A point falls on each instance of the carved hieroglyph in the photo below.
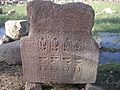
(60, 47)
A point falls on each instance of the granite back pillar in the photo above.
(59, 48)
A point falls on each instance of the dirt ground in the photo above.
(11, 77)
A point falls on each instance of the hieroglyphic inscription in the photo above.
(78, 46)
(55, 45)
(55, 60)
(56, 55)
(79, 61)
(43, 45)
(67, 45)
(53, 57)
(54, 68)
(67, 60)
(65, 68)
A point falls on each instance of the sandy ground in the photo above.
(11, 77)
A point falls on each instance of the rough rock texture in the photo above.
(60, 48)
(5, 39)
(1, 10)
(16, 28)
(33, 86)
(10, 52)
(11, 77)
(91, 87)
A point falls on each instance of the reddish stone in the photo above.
(60, 48)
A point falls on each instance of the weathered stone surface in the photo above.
(10, 52)
(60, 48)
(91, 87)
(5, 39)
(16, 28)
(1, 10)
(33, 86)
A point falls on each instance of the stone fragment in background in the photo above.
(91, 87)
(33, 86)
(16, 29)
(10, 53)
(5, 39)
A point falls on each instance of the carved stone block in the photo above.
(60, 48)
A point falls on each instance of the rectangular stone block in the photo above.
(10, 53)
(60, 48)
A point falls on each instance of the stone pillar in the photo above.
(59, 48)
